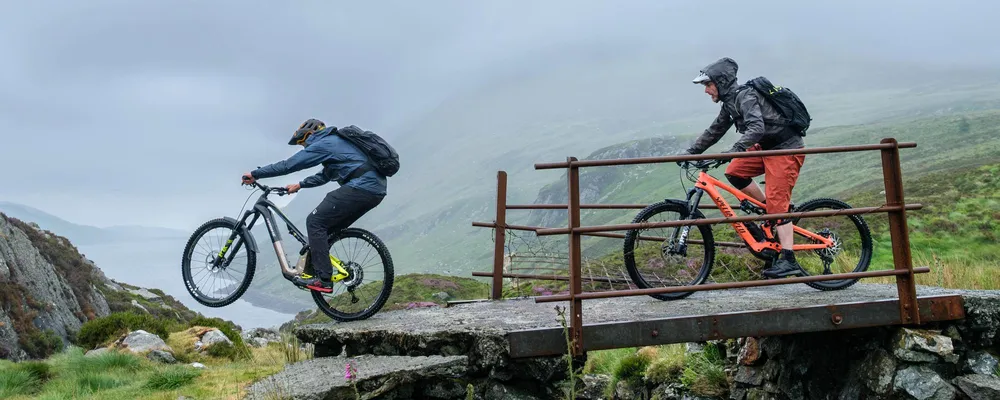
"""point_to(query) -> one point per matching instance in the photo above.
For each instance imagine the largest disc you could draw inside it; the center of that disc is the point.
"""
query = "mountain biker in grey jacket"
(756, 120)
(361, 189)
(746, 110)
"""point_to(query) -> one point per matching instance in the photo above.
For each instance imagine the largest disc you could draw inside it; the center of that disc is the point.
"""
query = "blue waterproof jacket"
(337, 155)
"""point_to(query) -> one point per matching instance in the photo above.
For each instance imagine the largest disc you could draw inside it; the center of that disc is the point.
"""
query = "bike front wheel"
(653, 262)
(368, 284)
(212, 280)
(852, 250)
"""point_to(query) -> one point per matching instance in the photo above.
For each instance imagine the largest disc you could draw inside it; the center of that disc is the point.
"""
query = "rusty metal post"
(575, 259)
(899, 232)
(500, 223)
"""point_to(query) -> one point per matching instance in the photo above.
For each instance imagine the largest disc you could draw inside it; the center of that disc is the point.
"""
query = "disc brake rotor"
(829, 253)
(355, 275)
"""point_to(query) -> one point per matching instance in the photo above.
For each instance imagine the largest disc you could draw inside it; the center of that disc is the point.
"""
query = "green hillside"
(452, 155)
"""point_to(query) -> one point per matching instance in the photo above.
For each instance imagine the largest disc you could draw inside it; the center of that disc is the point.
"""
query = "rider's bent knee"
(738, 182)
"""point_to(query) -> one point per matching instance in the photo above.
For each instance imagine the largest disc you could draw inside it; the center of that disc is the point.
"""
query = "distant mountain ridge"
(87, 234)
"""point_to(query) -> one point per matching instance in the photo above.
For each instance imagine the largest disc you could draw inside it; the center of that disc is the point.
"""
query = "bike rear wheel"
(209, 282)
(853, 244)
(647, 257)
(370, 278)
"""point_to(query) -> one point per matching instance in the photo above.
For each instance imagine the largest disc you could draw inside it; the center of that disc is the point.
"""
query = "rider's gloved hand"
(737, 148)
(688, 151)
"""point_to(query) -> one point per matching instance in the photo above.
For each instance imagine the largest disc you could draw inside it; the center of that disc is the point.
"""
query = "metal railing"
(895, 206)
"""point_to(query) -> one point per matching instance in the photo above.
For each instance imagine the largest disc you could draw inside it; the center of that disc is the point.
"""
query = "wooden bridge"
(726, 315)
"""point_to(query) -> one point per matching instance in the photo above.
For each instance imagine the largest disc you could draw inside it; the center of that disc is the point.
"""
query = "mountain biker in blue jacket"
(361, 189)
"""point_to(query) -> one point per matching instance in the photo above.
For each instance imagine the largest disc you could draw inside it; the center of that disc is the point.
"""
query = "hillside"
(444, 242)
(953, 172)
(48, 291)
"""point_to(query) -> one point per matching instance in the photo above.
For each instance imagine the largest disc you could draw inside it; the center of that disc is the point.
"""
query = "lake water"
(156, 264)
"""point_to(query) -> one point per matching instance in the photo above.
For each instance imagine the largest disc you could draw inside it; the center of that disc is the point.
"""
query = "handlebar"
(703, 164)
(280, 191)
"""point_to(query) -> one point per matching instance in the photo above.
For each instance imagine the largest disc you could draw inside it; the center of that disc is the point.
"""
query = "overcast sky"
(147, 111)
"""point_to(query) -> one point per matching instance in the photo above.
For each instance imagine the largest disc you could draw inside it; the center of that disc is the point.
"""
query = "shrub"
(41, 344)
(222, 350)
(101, 330)
(227, 328)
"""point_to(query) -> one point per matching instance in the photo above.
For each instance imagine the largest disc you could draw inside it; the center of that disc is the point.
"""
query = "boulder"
(922, 383)
(979, 387)
(917, 345)
(141, 341)
(161, 357)
(214, 336)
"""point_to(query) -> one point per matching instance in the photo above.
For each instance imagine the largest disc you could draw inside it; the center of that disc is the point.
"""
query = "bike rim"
(362, 258)
(210, 282)
(656, 266)
(852, 250)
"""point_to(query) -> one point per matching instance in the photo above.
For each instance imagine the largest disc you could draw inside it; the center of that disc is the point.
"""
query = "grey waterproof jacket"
(744, 107)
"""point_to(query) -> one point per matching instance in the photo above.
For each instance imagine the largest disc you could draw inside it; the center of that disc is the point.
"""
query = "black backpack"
(382, 157)
(786, 102)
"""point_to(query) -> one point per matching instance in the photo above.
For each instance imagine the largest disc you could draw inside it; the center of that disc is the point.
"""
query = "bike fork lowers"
(678, 238)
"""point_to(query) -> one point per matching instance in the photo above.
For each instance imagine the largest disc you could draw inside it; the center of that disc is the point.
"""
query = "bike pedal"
(319, 289)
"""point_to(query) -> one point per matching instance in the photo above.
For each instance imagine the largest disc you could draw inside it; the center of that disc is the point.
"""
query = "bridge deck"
(533, 329)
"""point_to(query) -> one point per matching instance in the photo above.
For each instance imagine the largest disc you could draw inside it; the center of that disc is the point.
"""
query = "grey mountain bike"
(226, 251)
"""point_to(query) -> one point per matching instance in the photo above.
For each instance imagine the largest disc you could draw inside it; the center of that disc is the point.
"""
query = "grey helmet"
(307, 128)
(702, 78)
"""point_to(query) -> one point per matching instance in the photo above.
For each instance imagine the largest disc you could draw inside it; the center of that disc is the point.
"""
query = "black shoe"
(782, 268)
(313, 283)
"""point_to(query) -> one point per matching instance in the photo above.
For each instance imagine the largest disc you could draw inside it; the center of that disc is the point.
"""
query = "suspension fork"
(680, 233)
(233, 236)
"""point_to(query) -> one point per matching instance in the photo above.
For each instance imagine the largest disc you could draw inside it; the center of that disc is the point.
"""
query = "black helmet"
(307, 128)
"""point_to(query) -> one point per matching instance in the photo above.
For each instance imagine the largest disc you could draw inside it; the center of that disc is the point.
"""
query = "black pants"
(337, 211)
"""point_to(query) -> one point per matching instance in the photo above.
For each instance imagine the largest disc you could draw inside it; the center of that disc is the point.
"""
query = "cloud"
(147, 111)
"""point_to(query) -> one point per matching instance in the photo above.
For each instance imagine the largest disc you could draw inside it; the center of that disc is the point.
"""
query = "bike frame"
(264, 207)
(708, 184)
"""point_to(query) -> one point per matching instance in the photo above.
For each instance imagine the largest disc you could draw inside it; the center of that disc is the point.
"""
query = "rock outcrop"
(47, 291)
(390, 377)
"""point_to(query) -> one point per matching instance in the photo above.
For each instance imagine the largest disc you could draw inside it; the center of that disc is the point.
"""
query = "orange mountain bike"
(681, 256)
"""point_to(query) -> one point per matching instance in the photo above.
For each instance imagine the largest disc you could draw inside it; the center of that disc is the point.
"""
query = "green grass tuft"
(112, 360)
(14, 382)
(704, 372)
(172, 378)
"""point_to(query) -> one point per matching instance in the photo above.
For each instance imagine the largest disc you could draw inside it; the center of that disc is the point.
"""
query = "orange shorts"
(780, 174)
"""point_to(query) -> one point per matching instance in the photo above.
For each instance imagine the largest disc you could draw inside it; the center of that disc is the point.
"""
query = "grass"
(123, 375)
(701, 372)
